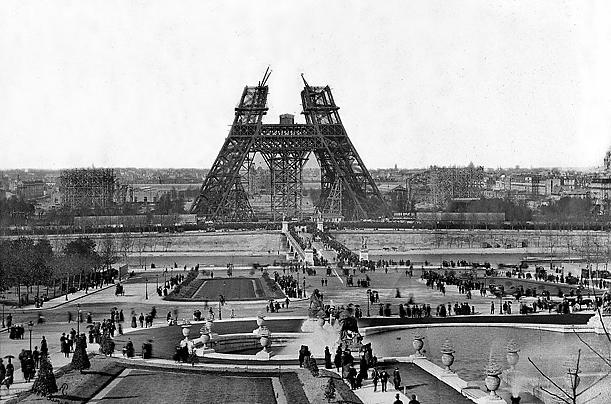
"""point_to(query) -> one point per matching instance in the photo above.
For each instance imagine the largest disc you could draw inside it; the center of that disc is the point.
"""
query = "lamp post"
(3, 297)
(146, 288)
(368, 300)
(220, 312)
(30, 326)
(78, 320)
(156, 281)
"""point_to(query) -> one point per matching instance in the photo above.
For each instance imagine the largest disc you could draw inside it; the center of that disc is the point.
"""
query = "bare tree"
(571, 393)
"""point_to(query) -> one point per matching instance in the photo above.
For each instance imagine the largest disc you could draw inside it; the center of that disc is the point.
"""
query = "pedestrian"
(375, 377)
(337, 360)
(328, 363)
(352, 377)
(396, 378)
(2, 371)
(398, 399)
(384, 380)
(134, 325)
(69, 317)
(44, 349)
(413, 400)
(491, 307)
(36, 356)
(10, 371)
(141, 319)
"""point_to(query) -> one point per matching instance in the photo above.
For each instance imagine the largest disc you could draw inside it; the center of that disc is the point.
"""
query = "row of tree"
(28, 263)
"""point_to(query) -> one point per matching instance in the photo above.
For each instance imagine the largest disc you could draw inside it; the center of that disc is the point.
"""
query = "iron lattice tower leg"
(333, 202)
(222, 195)
(338, 159)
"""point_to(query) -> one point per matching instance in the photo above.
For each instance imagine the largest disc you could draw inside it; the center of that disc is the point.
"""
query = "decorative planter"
(418, 344)
(260, 320)
(492, 380)
(447, 355)
(492, 384)
(185, 331)
(447, 359)
(265, 342)
(512, 354)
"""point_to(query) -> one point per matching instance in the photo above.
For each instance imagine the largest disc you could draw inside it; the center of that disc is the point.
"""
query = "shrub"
(330, 390)
(107, 345)
(45, 383)
(80, 360)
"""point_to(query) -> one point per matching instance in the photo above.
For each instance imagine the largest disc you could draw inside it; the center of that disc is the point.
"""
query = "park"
(235, 324)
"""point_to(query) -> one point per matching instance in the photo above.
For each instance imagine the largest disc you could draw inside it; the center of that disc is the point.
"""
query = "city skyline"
(419, 84)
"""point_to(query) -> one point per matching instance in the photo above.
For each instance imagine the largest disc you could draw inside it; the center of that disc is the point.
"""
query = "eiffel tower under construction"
(347, 189)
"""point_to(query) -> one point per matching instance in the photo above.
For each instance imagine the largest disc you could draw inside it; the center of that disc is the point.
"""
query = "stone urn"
(492, 380)
(265, 342)
(321, 322)
(260, 323)
(186, 330)
(447, 355)
(512, 354)
(418, 344)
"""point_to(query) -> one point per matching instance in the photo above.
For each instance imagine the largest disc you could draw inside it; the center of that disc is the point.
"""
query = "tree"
(107, 345)
(45, 383)
(571, 394)
(108, 251)
(82, 246)
(80, 360)
(330, 390)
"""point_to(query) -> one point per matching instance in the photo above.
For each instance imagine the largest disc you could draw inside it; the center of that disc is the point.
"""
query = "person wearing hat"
(396, 379)
(384, 379)
(398, 400)
(413, 400)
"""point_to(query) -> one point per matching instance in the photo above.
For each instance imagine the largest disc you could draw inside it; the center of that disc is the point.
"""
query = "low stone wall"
(246, 341)
(552, 319)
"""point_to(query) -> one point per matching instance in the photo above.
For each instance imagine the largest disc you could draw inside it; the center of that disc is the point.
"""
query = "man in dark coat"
(328, 363)
(384, 379)
(375, 377)
(337, 360)
(396, 379)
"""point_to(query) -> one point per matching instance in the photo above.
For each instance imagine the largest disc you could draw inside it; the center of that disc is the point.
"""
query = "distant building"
(600, 189)
(29, 190)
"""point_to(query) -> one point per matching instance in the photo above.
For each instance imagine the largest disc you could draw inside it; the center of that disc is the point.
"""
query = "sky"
(154, 83)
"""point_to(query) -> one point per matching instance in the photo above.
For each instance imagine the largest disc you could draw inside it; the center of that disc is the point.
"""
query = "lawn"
(80, 387)
(168, 387)
(230, 288)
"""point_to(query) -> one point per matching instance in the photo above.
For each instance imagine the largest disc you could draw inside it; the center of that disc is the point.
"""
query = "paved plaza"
(393, 286)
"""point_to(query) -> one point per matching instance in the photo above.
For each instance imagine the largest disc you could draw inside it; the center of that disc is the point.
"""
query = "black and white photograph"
(305, 202)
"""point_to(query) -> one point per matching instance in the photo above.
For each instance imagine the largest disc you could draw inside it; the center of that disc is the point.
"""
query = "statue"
(350, 338)
(363, 243)
(317, 307)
